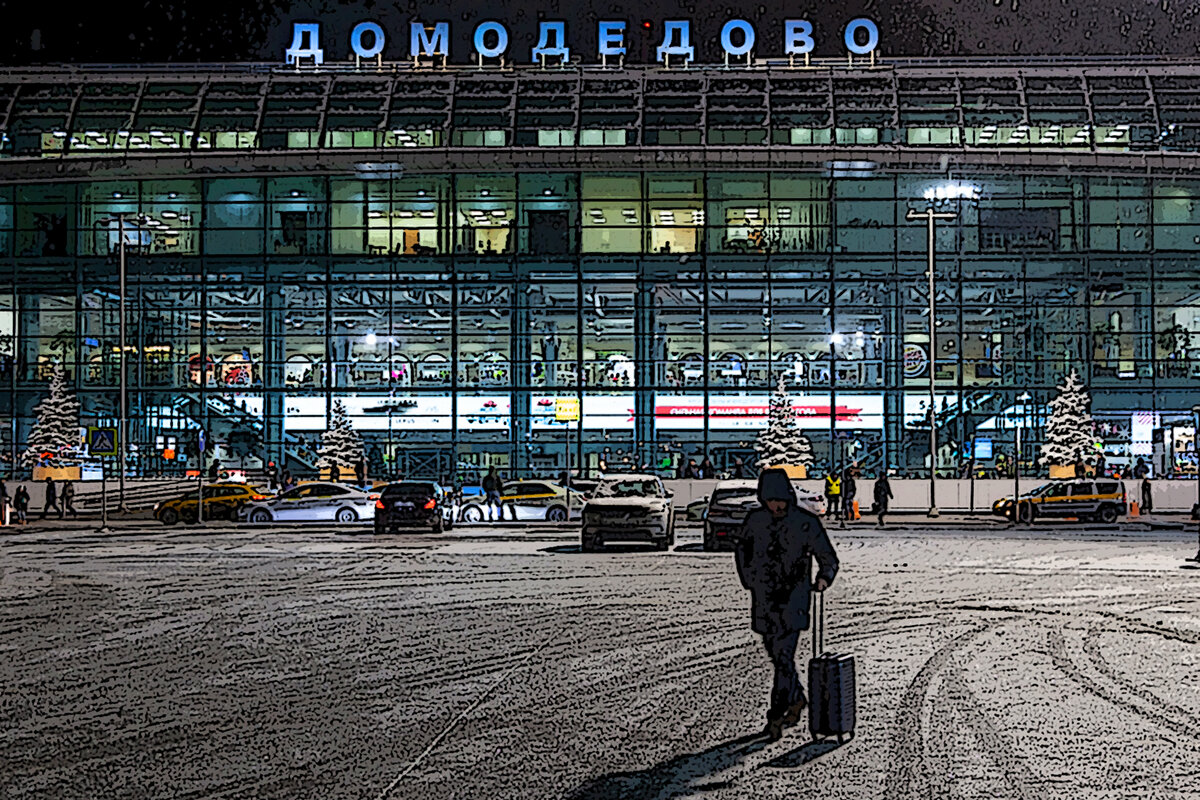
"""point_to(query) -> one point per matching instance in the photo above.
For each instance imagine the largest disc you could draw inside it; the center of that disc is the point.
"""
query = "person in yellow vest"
(833, 494)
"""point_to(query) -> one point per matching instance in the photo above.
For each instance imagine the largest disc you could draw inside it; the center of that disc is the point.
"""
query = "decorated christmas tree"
(1069, 436)
(54, 440)
(782, 443)
(341, 444)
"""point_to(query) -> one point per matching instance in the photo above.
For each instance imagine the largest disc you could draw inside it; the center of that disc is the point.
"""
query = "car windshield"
(729, 494)
(629, 489)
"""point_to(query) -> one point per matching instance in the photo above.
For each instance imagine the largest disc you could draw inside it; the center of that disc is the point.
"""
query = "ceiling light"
(499, 213)
(169, 215)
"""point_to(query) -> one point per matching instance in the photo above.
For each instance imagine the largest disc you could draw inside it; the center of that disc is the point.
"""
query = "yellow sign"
(566, 409)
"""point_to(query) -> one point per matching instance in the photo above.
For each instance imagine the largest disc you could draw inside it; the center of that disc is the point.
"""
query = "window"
(1081, 489)
(806, 136)
(602, 138)
(556, 138)
(481, 138)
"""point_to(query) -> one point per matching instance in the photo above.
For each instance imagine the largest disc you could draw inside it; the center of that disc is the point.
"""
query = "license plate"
(403, 504)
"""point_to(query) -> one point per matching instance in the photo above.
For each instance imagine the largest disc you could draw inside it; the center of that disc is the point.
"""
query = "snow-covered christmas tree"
(341, 444)
(54, 440)
(1070, 439)
(782, 443)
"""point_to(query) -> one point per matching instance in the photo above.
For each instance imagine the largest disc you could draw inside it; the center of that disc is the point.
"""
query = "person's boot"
(794, 712)
(774, 730)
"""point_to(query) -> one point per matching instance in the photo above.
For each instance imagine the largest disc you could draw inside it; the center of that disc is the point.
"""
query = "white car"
(313, 502)
(731, 501)
(629, 508)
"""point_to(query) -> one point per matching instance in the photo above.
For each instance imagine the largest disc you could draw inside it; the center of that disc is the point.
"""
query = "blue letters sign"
(490, 39)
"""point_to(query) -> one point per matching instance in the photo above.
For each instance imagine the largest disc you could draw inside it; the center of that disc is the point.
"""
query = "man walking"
(883, 494)
(51, 499)
(773, 557)
(849, 492)
(833, 493)
(1147, 499)
(493, 487)
(68, 499)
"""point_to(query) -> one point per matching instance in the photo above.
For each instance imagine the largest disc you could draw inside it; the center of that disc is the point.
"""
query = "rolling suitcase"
(831, 684)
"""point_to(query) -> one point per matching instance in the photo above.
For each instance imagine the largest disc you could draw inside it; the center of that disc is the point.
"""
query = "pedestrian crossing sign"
(102, 441)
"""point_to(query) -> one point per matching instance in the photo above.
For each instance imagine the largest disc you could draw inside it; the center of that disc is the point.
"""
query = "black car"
(414, 504)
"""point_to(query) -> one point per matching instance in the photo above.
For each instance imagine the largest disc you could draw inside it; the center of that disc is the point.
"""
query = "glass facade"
(449, 312)
(450, 304)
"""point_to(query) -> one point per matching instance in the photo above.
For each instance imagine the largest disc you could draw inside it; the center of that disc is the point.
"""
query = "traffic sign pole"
(103, 496)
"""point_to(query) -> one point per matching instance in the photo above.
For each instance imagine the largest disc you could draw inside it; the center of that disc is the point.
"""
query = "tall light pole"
(1023, 400)
(835, 339)
(122, 426)
(930, 216)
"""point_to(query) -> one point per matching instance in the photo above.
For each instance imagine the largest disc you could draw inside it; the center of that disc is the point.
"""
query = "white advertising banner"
(599, 411)
(372, 413)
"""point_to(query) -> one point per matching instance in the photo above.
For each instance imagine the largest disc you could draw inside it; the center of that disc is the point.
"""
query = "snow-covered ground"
(177, 664)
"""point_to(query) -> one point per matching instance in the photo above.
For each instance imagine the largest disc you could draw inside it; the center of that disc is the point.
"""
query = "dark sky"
(218, 30)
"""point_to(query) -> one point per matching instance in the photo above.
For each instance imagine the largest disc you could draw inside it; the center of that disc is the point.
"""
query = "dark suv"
(414, 504)
(1085, 499)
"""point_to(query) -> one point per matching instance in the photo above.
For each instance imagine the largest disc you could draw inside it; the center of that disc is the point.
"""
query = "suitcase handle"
(818, 623)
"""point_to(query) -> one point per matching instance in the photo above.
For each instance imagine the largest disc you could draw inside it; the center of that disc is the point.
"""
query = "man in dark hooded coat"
(773, 554)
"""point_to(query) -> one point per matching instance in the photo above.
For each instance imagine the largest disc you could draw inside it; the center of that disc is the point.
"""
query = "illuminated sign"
(490, 40)
(750, 411)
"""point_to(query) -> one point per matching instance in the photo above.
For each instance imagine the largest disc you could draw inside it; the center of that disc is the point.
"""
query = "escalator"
(224, 417)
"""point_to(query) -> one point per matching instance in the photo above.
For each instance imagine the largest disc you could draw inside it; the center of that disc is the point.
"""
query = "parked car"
(732, 500)
(528, 500)
(1085, 499)
(221, 501)
(414, 504)
(629, 508)
(313, 502)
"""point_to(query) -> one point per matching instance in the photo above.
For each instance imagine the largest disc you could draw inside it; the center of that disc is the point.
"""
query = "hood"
(774, 484)
(599, 503)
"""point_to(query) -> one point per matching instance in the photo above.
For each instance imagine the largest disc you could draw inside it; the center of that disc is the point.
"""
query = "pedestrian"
(68, 499)
(773, 556)
(287, 480)
(360, 473)
(213, 470)
(1147, 500)
(849, 490)
(4, 504)
(707, 470)
(833, 493)
(739, 468)
(691, 471)
(335, 472)
(1080, 469)
(493, 487)
(1140, 470)
(883, 494)
(272, 476)
(51, 499)
(21, 504)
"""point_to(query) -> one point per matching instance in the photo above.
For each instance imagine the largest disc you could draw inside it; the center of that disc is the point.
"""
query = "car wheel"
(472, 514)
(260, 515)
(169, 516)
(1025, 512)
(588, 544)
(346, 515)
(189, 517)
(662, 545)
(1108, 515)
(556, 514)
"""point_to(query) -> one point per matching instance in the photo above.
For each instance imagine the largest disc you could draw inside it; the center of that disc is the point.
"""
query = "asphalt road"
(493, 663)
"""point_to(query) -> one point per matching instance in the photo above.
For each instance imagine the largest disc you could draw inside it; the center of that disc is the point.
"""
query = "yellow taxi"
(1100, 500)
(221, 501)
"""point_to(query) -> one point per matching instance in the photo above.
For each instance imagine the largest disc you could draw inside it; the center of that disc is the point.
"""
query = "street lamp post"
(834, 340)
(1023, 400)
(1196, 451)
(930, 216)
(123, 426)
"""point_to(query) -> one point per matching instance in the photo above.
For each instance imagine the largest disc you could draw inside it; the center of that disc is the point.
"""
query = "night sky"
(119, 32)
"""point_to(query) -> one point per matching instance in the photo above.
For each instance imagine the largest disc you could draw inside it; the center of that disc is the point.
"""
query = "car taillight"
(430, 504)
(379, 504)
(372, 497)
(259, 497)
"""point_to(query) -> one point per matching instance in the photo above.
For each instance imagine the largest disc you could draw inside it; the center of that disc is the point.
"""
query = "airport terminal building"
(450, 252)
